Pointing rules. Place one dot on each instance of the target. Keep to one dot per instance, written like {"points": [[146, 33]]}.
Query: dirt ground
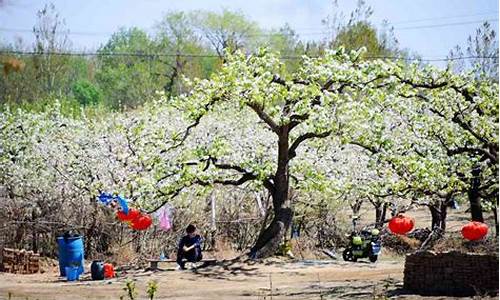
{"points": [[274, 279], [227, 280]]}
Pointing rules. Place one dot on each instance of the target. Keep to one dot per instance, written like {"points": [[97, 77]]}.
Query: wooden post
{"points": [[259, 204]]}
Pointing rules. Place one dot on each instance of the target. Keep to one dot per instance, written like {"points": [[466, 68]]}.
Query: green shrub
{"points": [[86, 93]]}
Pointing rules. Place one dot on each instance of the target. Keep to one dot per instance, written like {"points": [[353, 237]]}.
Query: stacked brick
{"points": [[20, 261], [451, 273]]}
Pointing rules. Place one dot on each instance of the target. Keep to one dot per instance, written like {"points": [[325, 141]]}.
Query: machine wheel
{"points": [[347, 255], [373, 258]]}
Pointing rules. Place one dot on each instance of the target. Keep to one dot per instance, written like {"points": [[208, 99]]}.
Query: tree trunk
{"points": [[380, 213], [444, 212], [269, 240], [356, 207], [474, 199], [34, 245], [495, 214], [438, 215]]}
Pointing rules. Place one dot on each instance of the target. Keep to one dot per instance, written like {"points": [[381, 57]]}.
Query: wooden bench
{"points": [[153, 263]]}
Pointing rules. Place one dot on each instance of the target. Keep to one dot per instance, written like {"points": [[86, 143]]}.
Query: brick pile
{"points": [[20, 261], [451, 273]]}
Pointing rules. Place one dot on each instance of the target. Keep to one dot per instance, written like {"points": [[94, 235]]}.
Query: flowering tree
{"points": [[417, 133], [438, 133], [294, 108], [340, 95]]}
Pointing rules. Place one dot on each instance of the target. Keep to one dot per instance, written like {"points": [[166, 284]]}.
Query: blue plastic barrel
{"points": [[72, 273], [70, 253]]}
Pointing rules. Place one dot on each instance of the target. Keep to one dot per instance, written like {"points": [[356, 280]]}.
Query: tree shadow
{"points": [[228, 269]]}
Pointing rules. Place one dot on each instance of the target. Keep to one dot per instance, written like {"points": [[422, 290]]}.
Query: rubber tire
{"points": [[347, 255], [373, 258]]}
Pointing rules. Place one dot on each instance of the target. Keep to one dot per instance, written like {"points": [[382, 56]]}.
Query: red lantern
{"points": [[142, 222], [132, 214], [401, 224], [474, 230]]}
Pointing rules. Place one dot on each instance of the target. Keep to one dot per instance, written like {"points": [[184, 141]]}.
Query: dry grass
{"points": [[400, 244], [122, 256], [454, 241], [48, 265]]}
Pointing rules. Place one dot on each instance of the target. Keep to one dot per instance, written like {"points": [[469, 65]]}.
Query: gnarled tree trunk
{"points": [[269, 240]]}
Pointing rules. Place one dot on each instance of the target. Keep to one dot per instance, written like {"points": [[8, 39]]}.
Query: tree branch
{"points": [[469, 97], [170, 196], [192, 125], [370, 149], [309, 135], [296, 120], [265, 117], [421, 85], [460, 150], [246, 175]]}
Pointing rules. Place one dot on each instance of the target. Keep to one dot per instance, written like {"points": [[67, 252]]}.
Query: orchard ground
{"points": [[272, 279]]}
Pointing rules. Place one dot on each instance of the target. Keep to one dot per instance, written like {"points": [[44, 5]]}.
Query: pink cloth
{"points": [[164, 215]]}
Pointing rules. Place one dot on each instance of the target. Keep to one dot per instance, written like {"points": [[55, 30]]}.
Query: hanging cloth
{"points": [[105, 198], [164, 215], [123, 204]]}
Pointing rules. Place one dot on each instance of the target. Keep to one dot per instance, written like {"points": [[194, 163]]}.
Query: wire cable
{"points": [[188, 55], [323, 32]]}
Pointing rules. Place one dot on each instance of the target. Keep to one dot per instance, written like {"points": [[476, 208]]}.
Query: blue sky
{"points": [[103, 17]]}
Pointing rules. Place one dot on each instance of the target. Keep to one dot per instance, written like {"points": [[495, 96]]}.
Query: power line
{"points": [[495, 13], [412, 27], [187, 55], [324, 32], [445, 18], [444, 25]]}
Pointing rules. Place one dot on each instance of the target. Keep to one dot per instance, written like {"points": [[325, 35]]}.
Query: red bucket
{"points": [[109, 271]]}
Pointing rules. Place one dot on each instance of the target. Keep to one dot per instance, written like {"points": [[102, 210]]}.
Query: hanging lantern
{"points": [[132, 215], [142, 222], [474, 230], [401, 224]]}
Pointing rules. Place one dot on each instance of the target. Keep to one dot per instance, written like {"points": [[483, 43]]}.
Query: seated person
{"points": [[189, 247]]}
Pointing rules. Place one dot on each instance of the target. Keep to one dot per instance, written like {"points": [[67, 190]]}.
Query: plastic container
{"points": [[72, 273], [97, 270], [109, 271], [70, 253]]}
